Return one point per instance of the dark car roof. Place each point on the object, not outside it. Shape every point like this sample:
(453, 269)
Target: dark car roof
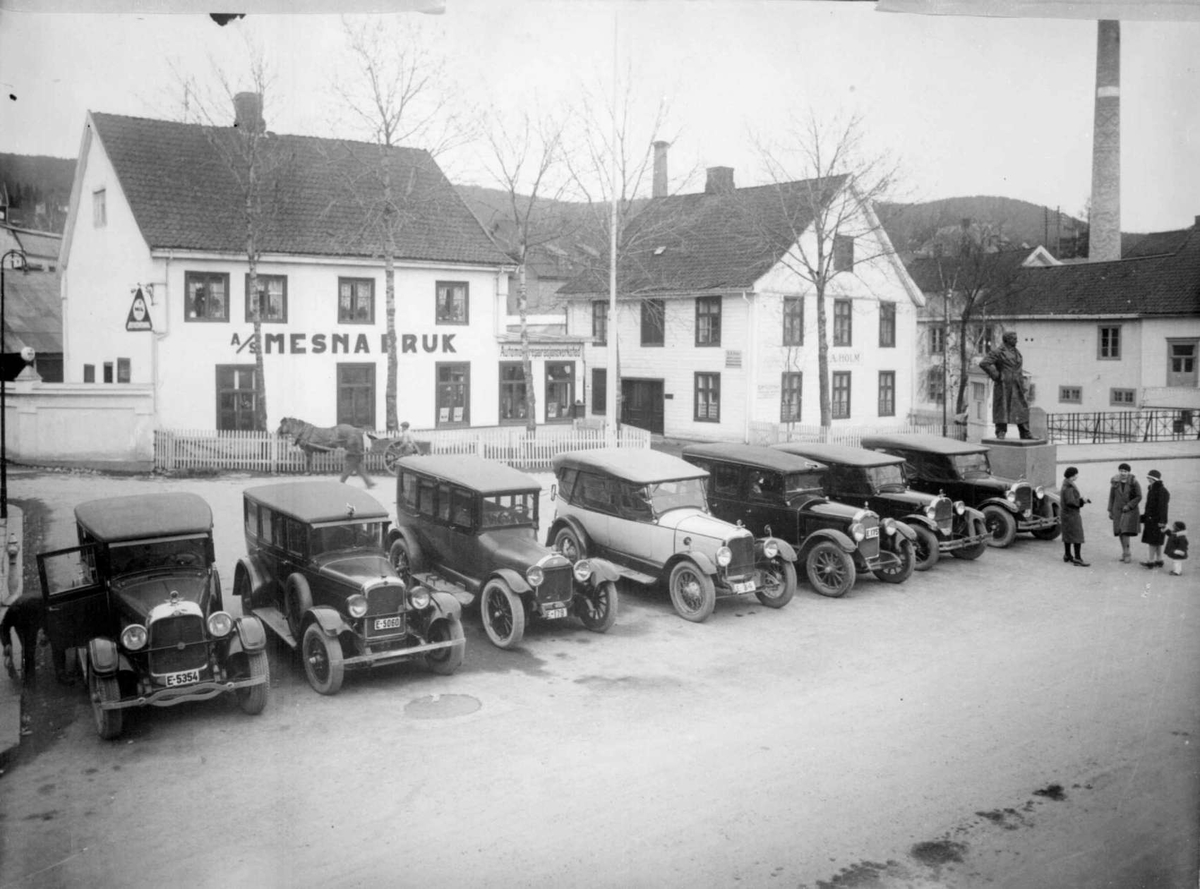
(139, 516)
(318, 501)
(835, 453)
(932, 443)
(638, 465)
(484, 476)
(753, 455)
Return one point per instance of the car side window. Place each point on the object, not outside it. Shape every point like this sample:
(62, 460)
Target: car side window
(266, 526)
(595, 492)
(425, 498)
(295, 533)
(846, 480)
(461, 508)
(633, 503)
(408, 490)
(765, 485)
(566, 483)
(443, 502)
(725, 480)
(250, 512)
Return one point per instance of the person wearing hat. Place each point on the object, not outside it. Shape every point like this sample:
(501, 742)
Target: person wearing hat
(1154, 518)
(1009, 402)
(408, 444)
(1124, 495)
(1072, 521)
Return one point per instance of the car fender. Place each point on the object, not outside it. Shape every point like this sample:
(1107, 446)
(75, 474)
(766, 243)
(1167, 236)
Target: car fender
(515, 581)
(786, 550)
(921, 519)
(842, 540)
(331, 622)
(603, 570)
(575, 525)
(904, 531)
(703, 562)
(1000, 501)
(103, 656)
(252, 633)
(255, 575)
(415, 555)
(446, 604)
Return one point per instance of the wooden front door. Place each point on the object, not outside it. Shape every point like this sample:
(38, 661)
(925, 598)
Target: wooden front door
(642, 404)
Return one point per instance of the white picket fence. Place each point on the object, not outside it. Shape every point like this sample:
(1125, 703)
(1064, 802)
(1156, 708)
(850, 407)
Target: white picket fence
(184, 450)
(774, 433)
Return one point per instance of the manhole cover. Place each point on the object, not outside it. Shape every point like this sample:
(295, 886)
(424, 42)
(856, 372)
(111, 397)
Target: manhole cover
(441, 706)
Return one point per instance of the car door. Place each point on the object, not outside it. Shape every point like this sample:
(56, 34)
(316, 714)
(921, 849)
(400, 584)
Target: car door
(75, 596)
(631, 528)
(765, 504)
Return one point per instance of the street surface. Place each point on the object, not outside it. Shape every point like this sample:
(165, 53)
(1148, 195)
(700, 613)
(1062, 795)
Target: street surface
(1015, 722)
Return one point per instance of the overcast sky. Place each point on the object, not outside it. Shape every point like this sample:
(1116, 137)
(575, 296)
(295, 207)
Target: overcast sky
(969, 106)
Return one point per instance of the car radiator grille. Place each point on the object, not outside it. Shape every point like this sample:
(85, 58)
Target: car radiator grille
(868, 547)
(743, 556)
(385, 604)
(1024, 497)
(943, 514)
(177, 643)
(557, 585)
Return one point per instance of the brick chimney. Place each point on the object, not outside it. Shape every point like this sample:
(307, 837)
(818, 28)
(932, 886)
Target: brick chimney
(720, 181)
(1104, 227)
(247, 111)
(660, 169)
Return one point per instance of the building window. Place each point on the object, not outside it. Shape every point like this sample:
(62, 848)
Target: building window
(842, 332)
(453, 302)
(840, 403)
(512, 392)
(271, 299)
(560, 390)
(937, 340)
(1181, 363)
(843, 253)
(708, 321)
(99, 208)
(599, 322)
(653, 315)
(887, 393)
(887, 325)
(108, 371)
(708, 398)
(356, 395)
(206, 296)
(236, 396)
(356, 300)
(453, 397)
(1122, 397)
(793, 321)
(1109, 345)
(89, 373)
(1070, 394)
(124, 370)
(789, 398)
(599, 390)
(935, 386)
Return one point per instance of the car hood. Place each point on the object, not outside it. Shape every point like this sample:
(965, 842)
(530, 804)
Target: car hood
(358, 567)
(516, 548)
(839, 511)
(139, 594)
(915, 499)
(693, 521)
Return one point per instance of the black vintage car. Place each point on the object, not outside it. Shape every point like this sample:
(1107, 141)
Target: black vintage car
(469, 526)
(858, 476)
(316, 572)
(141, 600)
(771, 492)
(961, 471)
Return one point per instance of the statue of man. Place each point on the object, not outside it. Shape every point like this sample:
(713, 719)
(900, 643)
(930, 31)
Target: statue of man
(1009, 405)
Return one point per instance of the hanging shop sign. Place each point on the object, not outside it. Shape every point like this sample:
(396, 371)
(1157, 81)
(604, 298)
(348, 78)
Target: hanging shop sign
(558, 350)
(139, 314)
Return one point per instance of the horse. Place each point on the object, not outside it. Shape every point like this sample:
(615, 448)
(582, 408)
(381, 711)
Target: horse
(310, 439)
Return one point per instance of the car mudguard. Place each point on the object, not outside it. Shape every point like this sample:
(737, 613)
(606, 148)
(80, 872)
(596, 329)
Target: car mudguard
(410, 539)
(331, 622)
(786, 550)
(837, 537)
(703, 562)
(515, 581)
(574, 525)
(919, 518)
(103, 656)
(254, 574)
(603, 570)
(1000, 501)
(252, 633)
(446, 604)
(904, 531)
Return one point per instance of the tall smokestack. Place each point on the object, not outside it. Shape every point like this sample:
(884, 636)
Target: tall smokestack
(247, 112)
(660, 169)
(1104, 227)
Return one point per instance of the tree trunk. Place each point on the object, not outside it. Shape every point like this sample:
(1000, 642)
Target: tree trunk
(823, 362)
(393, 364)
(526, 359)
(260, 384)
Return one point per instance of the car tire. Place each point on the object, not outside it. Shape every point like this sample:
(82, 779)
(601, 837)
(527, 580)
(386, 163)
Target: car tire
(925, 548)
(401, 558)
(253, 699)
(901, 573)
(782, 574)
(972, 552)
(692, 591)
(241, 591)
(597, 607)
(104, 689)
(445, 661)
(503, 614)
(830, 570)
(1050, 533)
(568, 542)
(297, 602)
(1002, 527)
(323, 663)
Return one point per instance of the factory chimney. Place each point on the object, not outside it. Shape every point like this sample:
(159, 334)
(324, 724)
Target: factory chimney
(660, 170)
(1104, 227)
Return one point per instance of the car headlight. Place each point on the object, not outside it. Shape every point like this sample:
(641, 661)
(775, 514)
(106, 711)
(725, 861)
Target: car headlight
(1011, 495)
(724, 556)
(134, 637)
(220, 624)
(357, 605)
(1040, 491)
(857, 531)
(960, 507)
(771, 549)
(931, 509)
(535, 575)
(583, 570)
(419, 598)
(889, 526)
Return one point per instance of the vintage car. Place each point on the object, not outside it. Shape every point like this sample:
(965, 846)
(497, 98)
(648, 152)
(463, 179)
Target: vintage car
(316, 572)
(141, 600)
(960, 470)
(646, 510)
(857, 476)
(470, 526)
(771, 492)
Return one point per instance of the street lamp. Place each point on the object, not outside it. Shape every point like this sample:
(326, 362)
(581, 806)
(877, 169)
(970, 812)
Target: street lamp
(9, 368)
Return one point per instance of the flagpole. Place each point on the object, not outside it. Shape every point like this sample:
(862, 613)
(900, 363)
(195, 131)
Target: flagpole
(610, 378)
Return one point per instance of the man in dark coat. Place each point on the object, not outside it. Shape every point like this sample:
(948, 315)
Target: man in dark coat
(1124, 497)
(1154, 518)
(1072, 521)
(1009, 404)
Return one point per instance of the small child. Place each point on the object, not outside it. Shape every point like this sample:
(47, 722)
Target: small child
(1175, 547)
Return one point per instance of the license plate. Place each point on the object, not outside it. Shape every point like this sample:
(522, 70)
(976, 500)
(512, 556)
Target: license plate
(387, 623)
(872, 532)
(553, 613)
(745, 586)
(187, 677)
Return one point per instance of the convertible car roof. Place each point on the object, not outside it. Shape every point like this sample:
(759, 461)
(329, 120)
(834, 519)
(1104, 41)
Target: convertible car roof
(484, 476)
(318, 501)
(637, 465)
(935, 444)
(835, 453)
(753, 455)
(139, 516)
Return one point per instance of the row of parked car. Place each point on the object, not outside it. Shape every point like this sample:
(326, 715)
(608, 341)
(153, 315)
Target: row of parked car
(330, 574)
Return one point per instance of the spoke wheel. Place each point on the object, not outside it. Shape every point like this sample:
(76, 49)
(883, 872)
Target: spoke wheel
(567, 542)
(925, 548)
(1001, 526)
(503, 614)
(779, 583)
(830, 570)
(391, 457)
(445, 661)
(400, 557)
(903, 571)
(104, 689)
(692, 592)
(323, 663)
(597, 607)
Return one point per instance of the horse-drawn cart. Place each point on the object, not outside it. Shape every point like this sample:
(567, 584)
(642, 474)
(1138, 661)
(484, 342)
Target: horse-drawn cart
(394, 448)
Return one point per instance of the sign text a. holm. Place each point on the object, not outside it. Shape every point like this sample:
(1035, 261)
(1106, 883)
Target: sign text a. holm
(343, 343)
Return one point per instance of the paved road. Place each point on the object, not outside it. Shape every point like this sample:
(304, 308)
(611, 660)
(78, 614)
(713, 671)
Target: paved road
(1013, 722)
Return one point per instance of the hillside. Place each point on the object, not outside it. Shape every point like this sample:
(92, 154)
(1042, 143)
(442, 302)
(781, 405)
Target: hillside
(38, 188)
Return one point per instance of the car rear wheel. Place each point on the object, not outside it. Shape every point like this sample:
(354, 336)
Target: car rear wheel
(903, 571)
(1049, 533)
(297, 602)
(104, 689)
(925, 548)
(567, 542)
(692, 592)
(241, 590)
(779, 583)
(323, 663)
(253, 699)
(503, 614)
(830, 570)
(445, 661)
(597, 607)
(1001, 526)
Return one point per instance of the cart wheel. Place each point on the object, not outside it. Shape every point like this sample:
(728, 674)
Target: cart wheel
(392, 456)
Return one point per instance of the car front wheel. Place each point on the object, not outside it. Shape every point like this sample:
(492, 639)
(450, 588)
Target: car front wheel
(830, 570)
(323, 663)
(1001, 526)
(925, 548)
(567, 542)
(779, 583)
(104, 689)
(692, 592)
(597, 607)
(503, 614)
(252, 699)
(445, 661)
(903, 571)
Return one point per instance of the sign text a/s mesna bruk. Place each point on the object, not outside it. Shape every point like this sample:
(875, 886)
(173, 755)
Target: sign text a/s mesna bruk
(344, 343)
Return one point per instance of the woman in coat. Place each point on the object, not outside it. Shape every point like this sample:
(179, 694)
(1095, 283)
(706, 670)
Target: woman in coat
(1072, 521)
(1124, 496)
(1154, 518)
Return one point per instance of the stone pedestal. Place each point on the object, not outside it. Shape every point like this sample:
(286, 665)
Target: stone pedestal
(1035, 460)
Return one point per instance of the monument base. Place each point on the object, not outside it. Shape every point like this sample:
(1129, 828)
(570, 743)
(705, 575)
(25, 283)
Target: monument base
(1033, 459)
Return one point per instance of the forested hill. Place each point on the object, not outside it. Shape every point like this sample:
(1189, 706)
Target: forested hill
(38, 188)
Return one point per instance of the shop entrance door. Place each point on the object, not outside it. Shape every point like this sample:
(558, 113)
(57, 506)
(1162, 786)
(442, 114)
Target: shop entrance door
(642, 404)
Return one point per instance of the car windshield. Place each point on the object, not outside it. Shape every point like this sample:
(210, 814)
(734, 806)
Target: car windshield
(972, 465)
(678, 494)
(152, 555)
(803, 483)
(507, 510)
(889, 477)
(348, 535)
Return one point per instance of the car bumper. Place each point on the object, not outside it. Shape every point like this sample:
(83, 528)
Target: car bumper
(1036, 523)
(169, 697)
(395, 655)
(949, 545)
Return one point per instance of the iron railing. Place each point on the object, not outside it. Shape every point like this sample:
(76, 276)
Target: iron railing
(1123, 426)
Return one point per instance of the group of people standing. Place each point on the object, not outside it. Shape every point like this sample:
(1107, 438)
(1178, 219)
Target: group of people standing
(1128, 510)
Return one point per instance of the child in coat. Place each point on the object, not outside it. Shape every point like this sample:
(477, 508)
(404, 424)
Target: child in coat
(1175, 547)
